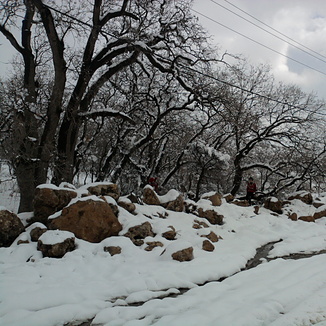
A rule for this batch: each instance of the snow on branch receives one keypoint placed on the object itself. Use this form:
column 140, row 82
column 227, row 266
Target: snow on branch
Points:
column 202, row 148
column 106, row 113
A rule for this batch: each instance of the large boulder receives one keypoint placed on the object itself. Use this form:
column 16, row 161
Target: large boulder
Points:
column 304, row 196
column 10, row 227
column 273, row 204
column 56, row 244
column 90, row 219
column 50, row 199
column 212, row 216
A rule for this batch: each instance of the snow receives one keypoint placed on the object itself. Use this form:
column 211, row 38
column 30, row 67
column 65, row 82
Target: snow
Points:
column 52, row 237
column 143, row 288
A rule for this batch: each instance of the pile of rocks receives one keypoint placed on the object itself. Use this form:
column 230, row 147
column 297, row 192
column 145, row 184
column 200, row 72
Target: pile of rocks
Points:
column 91, row 213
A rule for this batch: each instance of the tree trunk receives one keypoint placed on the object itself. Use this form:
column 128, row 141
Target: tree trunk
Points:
column 25, row 178
column 238, row 175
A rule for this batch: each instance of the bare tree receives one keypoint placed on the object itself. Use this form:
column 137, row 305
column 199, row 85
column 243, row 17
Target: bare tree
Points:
column 85, row 47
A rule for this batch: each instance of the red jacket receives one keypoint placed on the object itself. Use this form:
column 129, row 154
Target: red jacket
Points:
column 251, row 187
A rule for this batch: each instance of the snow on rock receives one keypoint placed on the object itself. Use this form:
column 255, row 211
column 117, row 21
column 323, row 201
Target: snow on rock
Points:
column 52, row 237
column 56, row 243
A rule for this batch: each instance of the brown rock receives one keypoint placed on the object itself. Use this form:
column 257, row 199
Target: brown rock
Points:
column 211, row 216
column 176, row 205
column 190, row 207
column 48, row 201
column 56, row 248
column 305, row 197
column 228, row 198
column 318, row 204
column 307, row 218
column 105, row 189
column 170, row 235
column 152, row 245
column 19, row 242
column 273, row 204
column 10, row 228
column 113, row 250
column 216, row 199
column 138, row 233
column 37, row 232
column 199, row 224
column 321, row 212
column 130, row 207
column 90, row 220
column 293, row 216
column 134, row 199
column 256, row 209
column 150, row 197
column 208, row 246
column 186, row 254
column 212, row 236
column 112, row 203
column 242, row 203
column 196, row 226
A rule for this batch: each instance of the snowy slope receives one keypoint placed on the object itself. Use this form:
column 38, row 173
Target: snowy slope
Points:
column 138, row 287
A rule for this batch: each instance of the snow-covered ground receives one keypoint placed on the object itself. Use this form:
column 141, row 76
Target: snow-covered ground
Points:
column 138, row 287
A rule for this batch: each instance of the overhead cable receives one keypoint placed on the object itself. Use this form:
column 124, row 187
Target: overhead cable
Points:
column 259, row 43
column 275, row 30
column 265, row 30
column 191, row 69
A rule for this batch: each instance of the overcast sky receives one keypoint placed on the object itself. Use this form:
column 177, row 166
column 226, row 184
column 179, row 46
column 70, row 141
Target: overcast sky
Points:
column 303, row 21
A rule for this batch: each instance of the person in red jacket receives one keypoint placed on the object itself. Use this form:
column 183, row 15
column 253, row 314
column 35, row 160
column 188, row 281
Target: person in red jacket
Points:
column 251, row 189
column 154, row 183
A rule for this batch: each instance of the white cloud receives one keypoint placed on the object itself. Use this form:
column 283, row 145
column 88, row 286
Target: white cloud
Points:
column 302, row 21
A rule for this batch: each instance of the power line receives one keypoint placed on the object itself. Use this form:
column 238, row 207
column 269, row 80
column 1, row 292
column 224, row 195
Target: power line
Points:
column 194, row 70
column 265, row 30
column 259, row 43
column 249, row 91
column 275, row 30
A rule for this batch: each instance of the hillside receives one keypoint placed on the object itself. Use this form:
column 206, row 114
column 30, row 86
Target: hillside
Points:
column 222, row 287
